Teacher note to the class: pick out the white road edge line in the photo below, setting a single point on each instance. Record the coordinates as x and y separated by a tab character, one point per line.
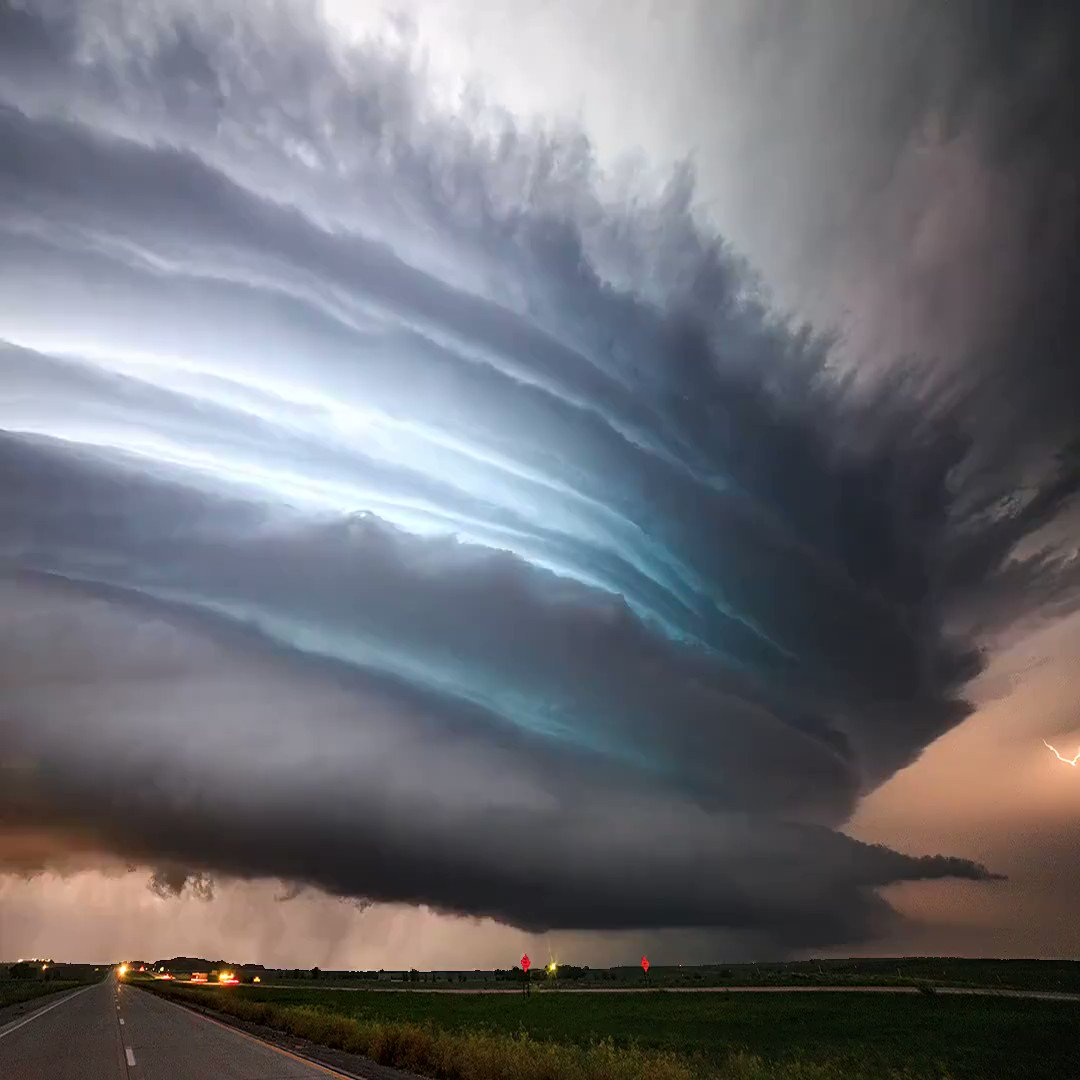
130	1055
48	1008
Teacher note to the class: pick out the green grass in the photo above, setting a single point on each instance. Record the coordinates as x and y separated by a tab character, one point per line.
13	991
807	1036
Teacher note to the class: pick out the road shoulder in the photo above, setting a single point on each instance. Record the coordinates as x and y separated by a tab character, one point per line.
10	1014
350	1065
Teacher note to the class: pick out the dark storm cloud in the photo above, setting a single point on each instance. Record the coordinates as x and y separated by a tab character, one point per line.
172	881
937	149
421	527
258	765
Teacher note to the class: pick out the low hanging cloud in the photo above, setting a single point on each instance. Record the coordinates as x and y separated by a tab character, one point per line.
386	509
173	881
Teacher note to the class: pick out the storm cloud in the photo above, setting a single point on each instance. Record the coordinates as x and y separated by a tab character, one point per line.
387	505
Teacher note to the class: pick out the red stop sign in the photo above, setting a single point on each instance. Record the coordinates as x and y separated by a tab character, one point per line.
645	964
525	962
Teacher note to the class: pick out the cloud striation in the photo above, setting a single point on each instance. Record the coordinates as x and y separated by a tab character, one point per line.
387	507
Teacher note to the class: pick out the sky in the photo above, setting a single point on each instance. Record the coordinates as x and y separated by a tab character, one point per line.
585	477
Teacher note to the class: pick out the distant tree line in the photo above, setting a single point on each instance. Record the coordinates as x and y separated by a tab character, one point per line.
26	971
538	974
45	971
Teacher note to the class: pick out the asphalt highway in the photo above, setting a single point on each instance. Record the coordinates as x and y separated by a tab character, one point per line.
114	1032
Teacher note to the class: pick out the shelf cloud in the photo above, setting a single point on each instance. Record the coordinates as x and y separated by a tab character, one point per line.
389	505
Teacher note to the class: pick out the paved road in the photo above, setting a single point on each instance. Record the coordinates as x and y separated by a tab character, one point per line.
110	1032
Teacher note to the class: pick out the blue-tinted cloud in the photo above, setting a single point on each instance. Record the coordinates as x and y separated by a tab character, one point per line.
592	561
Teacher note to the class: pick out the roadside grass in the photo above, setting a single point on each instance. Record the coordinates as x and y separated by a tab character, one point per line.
674	1036
15	991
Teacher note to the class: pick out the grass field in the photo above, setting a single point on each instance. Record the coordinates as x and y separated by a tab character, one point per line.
13	991
789	1037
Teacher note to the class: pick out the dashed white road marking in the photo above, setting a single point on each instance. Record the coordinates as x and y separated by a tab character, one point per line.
121	1019
130	1055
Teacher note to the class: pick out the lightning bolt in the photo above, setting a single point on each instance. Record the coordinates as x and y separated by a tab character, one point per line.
1068	761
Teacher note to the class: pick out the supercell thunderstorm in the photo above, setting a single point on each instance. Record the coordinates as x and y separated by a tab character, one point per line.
420	518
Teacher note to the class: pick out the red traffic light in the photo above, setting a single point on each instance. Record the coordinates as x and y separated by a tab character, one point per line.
525	962
645	964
